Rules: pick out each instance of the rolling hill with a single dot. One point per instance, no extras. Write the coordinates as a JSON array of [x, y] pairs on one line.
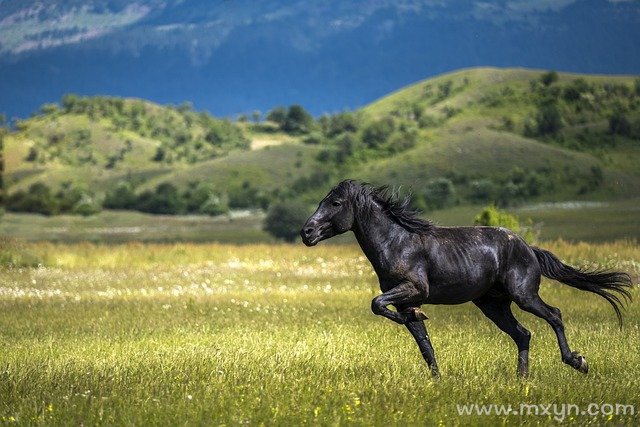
[[474, 136]]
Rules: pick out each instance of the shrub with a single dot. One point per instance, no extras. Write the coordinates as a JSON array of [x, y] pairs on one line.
[[87, 205], [493, 217], [285, 219], [16, 254], [215, 205]]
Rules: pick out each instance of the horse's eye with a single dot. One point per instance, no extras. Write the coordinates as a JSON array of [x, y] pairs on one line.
[[336, 203]]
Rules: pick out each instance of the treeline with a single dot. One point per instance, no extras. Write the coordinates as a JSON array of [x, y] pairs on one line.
[[166, 198], [516, 187]]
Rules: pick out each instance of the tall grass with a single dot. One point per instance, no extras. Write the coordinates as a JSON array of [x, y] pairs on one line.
[[275, 334]]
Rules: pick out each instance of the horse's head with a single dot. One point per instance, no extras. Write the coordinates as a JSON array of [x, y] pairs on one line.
[[335, 215]]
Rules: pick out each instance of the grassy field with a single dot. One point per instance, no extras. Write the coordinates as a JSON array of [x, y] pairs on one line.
[[280, 335]]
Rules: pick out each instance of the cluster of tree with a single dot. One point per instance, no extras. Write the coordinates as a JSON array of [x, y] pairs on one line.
[[347, 136], [518, 186], [39, 198], [185, 135], [166, 198], [350, 139], [561, 107], [293, 120], [198, 198]]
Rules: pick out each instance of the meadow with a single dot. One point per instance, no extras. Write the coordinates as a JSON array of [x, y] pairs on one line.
[[218, 334]]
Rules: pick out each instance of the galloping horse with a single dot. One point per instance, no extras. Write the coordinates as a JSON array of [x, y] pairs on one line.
[[420, 263]]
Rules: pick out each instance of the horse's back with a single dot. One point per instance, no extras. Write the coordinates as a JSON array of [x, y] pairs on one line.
[[465, 263]]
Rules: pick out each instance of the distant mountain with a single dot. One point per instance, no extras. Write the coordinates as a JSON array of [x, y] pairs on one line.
[[237, 56]]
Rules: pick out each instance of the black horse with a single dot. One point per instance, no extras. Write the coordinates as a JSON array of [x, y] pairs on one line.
[[420, 263]]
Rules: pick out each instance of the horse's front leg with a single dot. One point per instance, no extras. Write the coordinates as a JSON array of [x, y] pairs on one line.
[[421, 336], [407, 298], [405, 294]]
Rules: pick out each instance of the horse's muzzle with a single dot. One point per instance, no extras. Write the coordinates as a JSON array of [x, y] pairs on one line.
[[311, 233]]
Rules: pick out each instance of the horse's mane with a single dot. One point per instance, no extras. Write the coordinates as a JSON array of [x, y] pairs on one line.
[[398, 210]]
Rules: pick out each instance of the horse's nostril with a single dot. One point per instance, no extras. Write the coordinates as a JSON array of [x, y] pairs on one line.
[[308, 231]]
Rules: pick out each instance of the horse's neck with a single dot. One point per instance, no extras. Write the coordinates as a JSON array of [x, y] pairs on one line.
[[376, 233]]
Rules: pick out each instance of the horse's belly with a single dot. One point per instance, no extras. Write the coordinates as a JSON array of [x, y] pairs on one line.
[[448, 290], [454, 295]]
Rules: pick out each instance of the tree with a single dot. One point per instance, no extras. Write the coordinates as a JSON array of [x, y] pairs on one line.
[[549, 78], [482, 191], [201, 197], [378, 132], [548, 119], [285, 219], [121, 197], [278, 115], [70, 102], [165, 200], [619, 124], [297, 120], [438, 193]]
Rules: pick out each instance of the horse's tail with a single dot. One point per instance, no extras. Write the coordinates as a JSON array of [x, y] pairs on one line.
[[610, 285]]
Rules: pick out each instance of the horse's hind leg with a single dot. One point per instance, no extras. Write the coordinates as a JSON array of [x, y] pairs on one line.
[[535, 305], [499, 311]]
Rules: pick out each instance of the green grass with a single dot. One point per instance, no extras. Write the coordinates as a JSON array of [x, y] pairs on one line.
[[280, 335], [574, 221], [127, 226]]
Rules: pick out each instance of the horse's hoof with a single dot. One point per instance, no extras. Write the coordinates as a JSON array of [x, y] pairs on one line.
[[580, 362], [419, 314], [584, 367]]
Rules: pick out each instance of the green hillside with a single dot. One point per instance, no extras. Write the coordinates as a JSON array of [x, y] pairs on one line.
[[503, 125], [509, 136]]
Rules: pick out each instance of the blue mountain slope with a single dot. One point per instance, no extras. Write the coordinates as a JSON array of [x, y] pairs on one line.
[[236, 56]]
